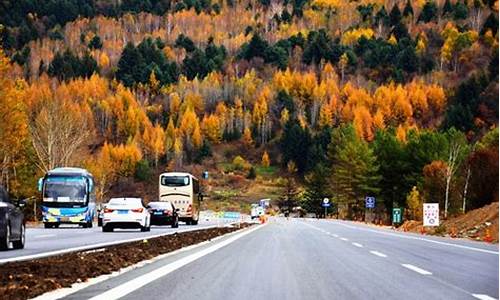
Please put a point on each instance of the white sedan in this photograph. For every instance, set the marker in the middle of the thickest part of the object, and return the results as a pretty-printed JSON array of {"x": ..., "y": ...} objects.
[{"x": 126, "y": 213}]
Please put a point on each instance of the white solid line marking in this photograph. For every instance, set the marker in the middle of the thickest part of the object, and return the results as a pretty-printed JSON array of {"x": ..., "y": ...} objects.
[
  {"x": 43, "y": 236},
  {"x": 378, "y": 254},
  {"x": 358, "y": 245},
  {"x": 135, "y": 284},
  {"x": 483, "y": 297},
  {"x": 75, "y": 287},
  {"x": 416, "y": 269},
  {"x": 404, "y": 236},
  {"x": 344, "y": 239}
]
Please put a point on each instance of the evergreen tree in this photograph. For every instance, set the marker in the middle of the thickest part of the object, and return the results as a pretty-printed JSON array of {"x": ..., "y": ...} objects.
[
  {"x": 127, "y": 71},
  {"x": 491, "y": 23},
  {"x": 447, "y": 8},
  {"x": 294, "y": 145},
  {"x": 408, "y": 10},
  {"x": 316, "y": 189},
  {"x": 395, "y": 15},
  {"x": 185, "y": 42},
  {"x": 429, "y": 12},
  {"x": 95, "y": 43},
  {"x": 355, "y": 168},
  {"x": 460, "y": 11},
  {"x": 393, "y": 162},
  {"x": 381, "y": 18}
]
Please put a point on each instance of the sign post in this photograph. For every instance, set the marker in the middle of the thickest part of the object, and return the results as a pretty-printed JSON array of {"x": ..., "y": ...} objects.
[
  {"x": 369, "y": 205},
  {"x": 326, "y": 204},
  {"x": 431, "y": 214},
  {"x": 397, "y": 215}
]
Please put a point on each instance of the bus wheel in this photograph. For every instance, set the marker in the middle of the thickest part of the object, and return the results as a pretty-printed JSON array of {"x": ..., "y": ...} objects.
[
  {"x": 89, "y": 224},
  {"x": 47, "y": 225},
  {"x": 194, "y": 222}
]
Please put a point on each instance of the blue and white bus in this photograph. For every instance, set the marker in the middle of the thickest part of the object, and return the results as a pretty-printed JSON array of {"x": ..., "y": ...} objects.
[{"x": 68, "y": 197}]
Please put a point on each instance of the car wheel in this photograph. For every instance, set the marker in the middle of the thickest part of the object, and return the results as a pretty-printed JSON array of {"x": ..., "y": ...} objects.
[
  {"x": 107, "y": 228},
  {"x": 20, "y": 244},
  {"x": 56, "y": 225},
  {"x": 89, "y": 224},
  {"x": 5, "y": 242},
  {"x": 194, "y": 222},
  {"x": 144, "y": 228},
  {"x": 47, "y": 225},
  {"x": 99, "y": 222}
]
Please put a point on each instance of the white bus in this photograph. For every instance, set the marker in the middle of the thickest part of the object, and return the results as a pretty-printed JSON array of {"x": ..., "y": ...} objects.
[{"x": 183, "y": 190}]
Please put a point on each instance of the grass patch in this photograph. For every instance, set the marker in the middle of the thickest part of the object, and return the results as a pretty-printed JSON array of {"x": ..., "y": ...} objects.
[{"x": 266, "y": 171}]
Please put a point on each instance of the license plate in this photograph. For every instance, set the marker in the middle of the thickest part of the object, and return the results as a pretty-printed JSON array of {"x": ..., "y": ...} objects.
[
  {"x": 122, "y": 212},
  {"x": 65, "y": 219},
  {"x": 158, "y": 213}
]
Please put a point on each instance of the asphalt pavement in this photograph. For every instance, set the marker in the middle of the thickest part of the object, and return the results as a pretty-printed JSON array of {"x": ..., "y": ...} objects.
[
  {"x": 312, "y": 259},
  {"x": 41, "y": 240}
]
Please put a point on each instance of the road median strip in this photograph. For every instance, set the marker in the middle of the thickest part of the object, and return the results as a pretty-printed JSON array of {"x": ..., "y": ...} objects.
[{"x": 28, "y": 279}]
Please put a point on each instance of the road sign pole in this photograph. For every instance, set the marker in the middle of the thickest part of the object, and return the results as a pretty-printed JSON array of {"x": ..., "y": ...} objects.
[{"x": 325, "y": 212}]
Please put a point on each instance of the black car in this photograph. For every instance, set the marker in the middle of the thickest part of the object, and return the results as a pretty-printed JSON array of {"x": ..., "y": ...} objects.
[
  {"x": 163, "y": 213},
  {"x": 12, "y": 225}
]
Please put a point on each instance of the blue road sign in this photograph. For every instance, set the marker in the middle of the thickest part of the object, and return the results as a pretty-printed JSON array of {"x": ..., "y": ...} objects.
[
  {"x": 370, "y": 202},
  {"x": 326, "y": 204}
]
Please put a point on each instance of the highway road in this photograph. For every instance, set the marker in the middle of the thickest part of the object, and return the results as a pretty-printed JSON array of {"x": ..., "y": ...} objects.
[
  {"x": 41, "y": 241},
  {"x": 310, "y": 259}
]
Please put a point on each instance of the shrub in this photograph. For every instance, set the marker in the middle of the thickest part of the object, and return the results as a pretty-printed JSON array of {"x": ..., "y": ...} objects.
[
  {"x": 251, "y": 173},
  {"x": 240, "y": 163},
  {"x": 143, "y": 171}
]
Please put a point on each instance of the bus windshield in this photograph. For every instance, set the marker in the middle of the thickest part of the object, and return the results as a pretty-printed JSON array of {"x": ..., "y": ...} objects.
[
  {"x": 64, "y": 191},
  {"x": 175, "y": 180}
]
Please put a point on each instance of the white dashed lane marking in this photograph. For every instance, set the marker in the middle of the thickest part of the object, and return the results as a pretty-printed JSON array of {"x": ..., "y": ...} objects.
[
  {"x": 483, "y": 297},
  {"x": 358, "y": 245},
  {"x": 416, "y": 269},
  {"x": 378, "y": 254}
]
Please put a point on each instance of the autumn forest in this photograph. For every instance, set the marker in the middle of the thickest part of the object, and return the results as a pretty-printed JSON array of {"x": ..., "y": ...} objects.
[{"x": 311, "y": 98}]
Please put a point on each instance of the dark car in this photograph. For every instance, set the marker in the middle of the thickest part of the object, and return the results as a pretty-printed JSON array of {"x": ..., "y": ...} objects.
[
  {"x": 12, "y": 226},
  {"x": 163, "y": 213}
]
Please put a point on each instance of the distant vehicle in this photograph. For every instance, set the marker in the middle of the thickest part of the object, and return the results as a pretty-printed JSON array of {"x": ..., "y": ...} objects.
[
  {"x": 183, "y": 191},
  {"x": 12, "y": 224},
  {"x": 163, "y": 213},
  {"x": 126, "y": 213},
  {"x": 256, "y": 211},
  {"x": 68, "y": 197},
  {"x": 265, "y": 203}
]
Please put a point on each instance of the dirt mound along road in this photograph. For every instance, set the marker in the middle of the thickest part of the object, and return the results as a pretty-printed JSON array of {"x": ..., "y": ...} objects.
[
  {"x": 28, "y": 279},
  {"x": 477, "y": 224}
]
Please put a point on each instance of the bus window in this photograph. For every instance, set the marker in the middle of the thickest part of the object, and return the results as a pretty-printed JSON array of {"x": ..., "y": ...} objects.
[{"x": 175, "y": 180}]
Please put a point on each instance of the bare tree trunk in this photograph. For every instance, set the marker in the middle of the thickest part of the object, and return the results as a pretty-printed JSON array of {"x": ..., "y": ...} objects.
[{"x": 464, "y": 197}]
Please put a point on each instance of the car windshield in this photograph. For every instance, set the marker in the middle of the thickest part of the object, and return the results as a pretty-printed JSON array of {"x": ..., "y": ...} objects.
[
  {"x": 175, "y": 180},
  {"x": 125, "y": 201},
  {"x": 64, "y": 191}
]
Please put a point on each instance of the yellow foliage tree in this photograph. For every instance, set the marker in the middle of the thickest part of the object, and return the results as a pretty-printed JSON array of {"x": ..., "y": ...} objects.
[
  {"x": 247, "y": 137},
  {"x": 13, "y": 121},
  {"x": 211, "y": 128},
  {"x": 414, "y": 202},
  {"x": 265, "y": 160}
]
